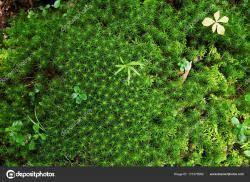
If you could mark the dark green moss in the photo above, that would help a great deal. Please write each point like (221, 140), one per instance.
(155, 120)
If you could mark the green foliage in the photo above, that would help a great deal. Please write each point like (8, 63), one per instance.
(241, 130)
(14, 134)
(155, 121)
(57, 4)
(24, 142)
(129, 67)
(247, 97)
(184, 65)
(247, 153)
(79, 95)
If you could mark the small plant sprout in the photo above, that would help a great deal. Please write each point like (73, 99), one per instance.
(14, 132)
(129, 68)
(185, 67)
(241, 129)
(38, 124)
(79, 95)
(27, 141)
(57, 4)
(216, 23)
(235, 121)
(30, 14)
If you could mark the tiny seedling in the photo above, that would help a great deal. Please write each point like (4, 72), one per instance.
(79, 95)
(31, 14)
(19, 138)
(15, 135)
(129, 68)
(241, 129)
(185, 68)
(242, 132)
(184, 65)
(44, 10)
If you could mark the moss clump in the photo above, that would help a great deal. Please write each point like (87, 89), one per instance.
(156, 120)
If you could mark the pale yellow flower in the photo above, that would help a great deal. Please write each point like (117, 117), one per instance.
(216, 23)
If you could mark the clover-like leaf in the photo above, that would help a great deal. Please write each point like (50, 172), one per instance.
(83, 96)
(216, 23)
(74, 95)
(79, 95)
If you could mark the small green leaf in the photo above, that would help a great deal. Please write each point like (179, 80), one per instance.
(77, 89)
(247, 153)
(15, 127)
(20, 139)
(43, 136)
(36, 128)
(36, 136)
(74, 95)
(30, 14)
(247, 97)
(242, 138)
(83, 96)
(44, 12)
(235, 121)
(78, 100)
(57, 4)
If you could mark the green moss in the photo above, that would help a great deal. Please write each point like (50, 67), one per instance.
(155, 120)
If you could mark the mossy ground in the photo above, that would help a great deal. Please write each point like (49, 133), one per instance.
(156, 120)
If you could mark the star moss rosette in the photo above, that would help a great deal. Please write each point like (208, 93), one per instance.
(216, 23)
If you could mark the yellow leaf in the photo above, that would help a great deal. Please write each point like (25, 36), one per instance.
(224, 19)
(220, 29)
(217, 16)
(207, 22)
(214, 27)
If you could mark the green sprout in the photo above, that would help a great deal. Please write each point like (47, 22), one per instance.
(242, 132)
(79, 95)
(27, 141)
(184, 65)
(241, 129)
(129, 68)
